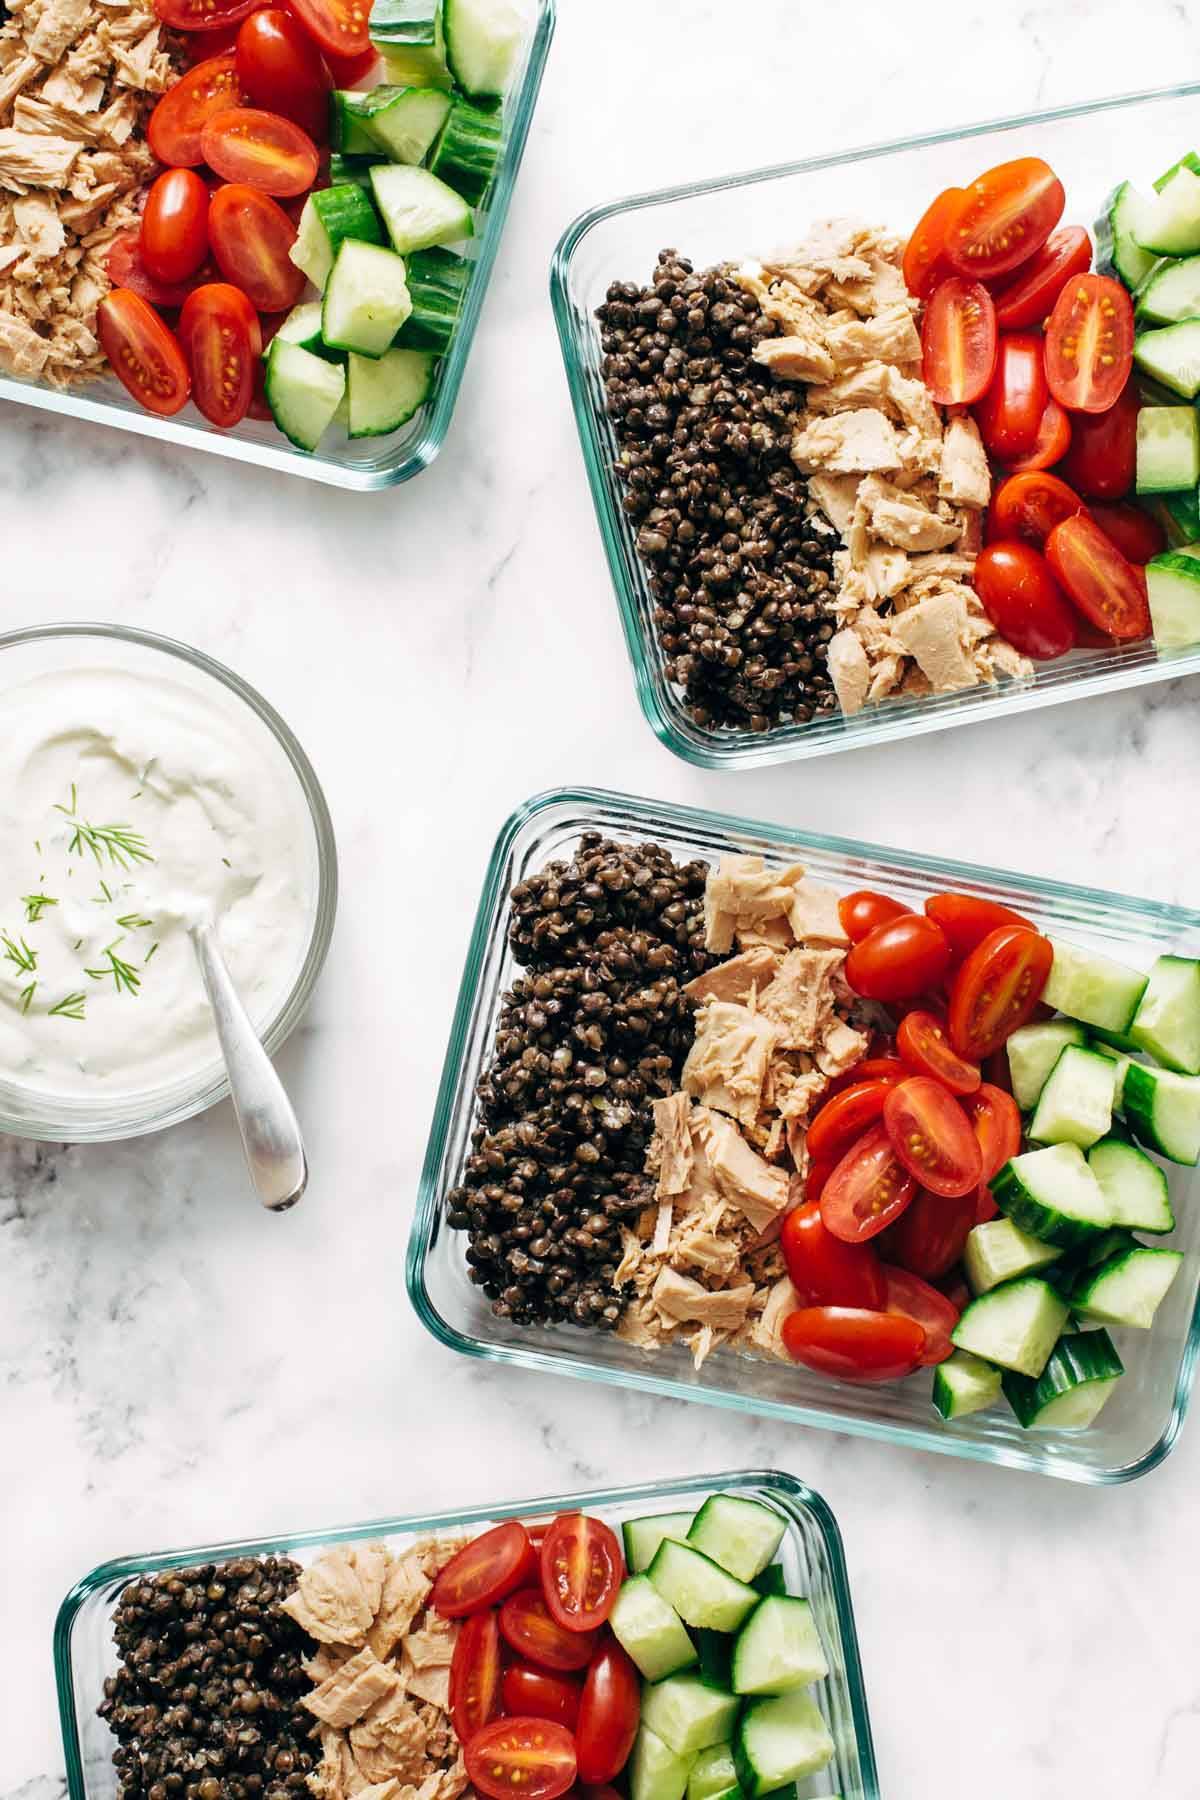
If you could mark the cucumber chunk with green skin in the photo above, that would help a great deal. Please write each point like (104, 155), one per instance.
(1117, 230)
(1168, 449)
(409, 36)
(741, 1535)
(1163, 1108)
(483, 41)
(701, 1591)
(303, 392)
(437, 281)
(1033, 1051)
(772, 1580)
(688, 1714)
(643, 1536)
(1000, 1251)
(1076, 1104)
(331, 216)
(1167, 1022)
(1170, 225)
(654, 1771)
(713, 1775)
(366, 299)
(779, 1741)
(386, 391)
(1189, 160)
(403, 122)
(1179, 516)
(468, 149)
(1092, 988)
(1053, 1195)
(715, 1649)
(1015, 1325)
(352, 171)
(418, 209)
(1120, 1063)
(1170, 292)
(348, 130)
(1127, 1289)
(778, 1648)
(650, 1630)
(1077, 1381)
(1173, 590)
(964, 1384)
(1170, 354)
(303, 326)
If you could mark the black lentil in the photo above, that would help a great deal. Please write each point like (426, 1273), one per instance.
(738, 572)
(204, 1705)
(597, 1029)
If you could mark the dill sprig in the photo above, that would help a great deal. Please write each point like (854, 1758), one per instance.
(71, 1006)
(124, 975)
(104, 897)
(149, 954)
(35, 905)
(133, 922)
(19, 954)
(27, 994)
(120, 843)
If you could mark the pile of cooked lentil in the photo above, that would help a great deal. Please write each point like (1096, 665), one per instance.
(596, 1031)
(739, 572)
(205, 1703)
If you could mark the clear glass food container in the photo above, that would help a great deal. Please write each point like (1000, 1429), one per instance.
(1092, 147)
(1140, 1423)
(811, 1555)
(362, 464)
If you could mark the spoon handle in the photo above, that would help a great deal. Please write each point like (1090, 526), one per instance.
(270, 1134)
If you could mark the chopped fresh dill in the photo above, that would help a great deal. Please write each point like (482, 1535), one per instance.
(120, 843)
(133, 922)
(78, 944)
(71, 1006)
(227, 862)
(138, 795)
(150, 953)
(27, 994)
(35, 905)
(124, 975)
(18, 954)
(104, 897)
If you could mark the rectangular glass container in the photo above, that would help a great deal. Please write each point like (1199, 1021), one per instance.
(1140, 1423)
(811, 1555)
(1091, 147)
(362, 464)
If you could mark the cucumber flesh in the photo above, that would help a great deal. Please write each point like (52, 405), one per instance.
(1127, 1289)
(655, 1772)
(1167, 1022)
(330, 216)
(1173, 589)
(713, 1775)
(1170, 292)
(303, 326)
(650, 1630)
(741, 1535)
(1163, 1108)
(687, 1714)
(386, 391)
(1120, 1064)
(780, 1741)
(404, 122)
(483, 40)
(1170, 225)
(1076, 1104)
(366, 300)
(1015, 1325)
(1170, 354)
(1053, 1195)
(1033, 1051)
(778, 1648)
(418, 209)
(1077, 1381)
(1189, 160)
(1092, 988)
(1117, 233)
(1168, 449)
(702, 1593)
(303, 392)
(643, 1536)
(964, 1384)
(1000, 1251)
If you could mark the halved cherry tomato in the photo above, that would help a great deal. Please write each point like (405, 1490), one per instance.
(932, 1137)
(175, 225)
(351, 71)
(1024, 601)
(251, 237)
(144, 353)
(997, 1124)
(1028, 299)
(533, 1758)
(958, 341)
(845, 1118)
(924, 259)
(851, 1344)
(1004, 218)
(899, 959)
(997, 989)
(339, 26)
(861, 911)
(608, 1715)
(929, 1236)
(1089, 343)
(1098, 580)
(818, 1174)
(203, 15)
(527, 1626)
(955, 1289)
(911, 1298)
(1009, 413)
(1137, 536)
(475, 1676)
(125, 268)
(262, 149)
(1102, 460)
(1030, 506)
(1051, 444)
(198, 46)
(867, 1190)
(484, 1571)
(221, 339)
(582, 1570)
(966, 919)
(824, 1270)
(926, 1049)
(175, 124)
(536, 1695)
(282, 70)
(996, 1071)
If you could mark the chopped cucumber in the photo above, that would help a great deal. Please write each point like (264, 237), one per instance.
(1033, 1051)
(713, 1775)
(418, 209)
(1173, 589)
(1179, 516)
(1118, 232)
(964, 1384)
(1164, 1110)
(1128, 1288)
(303, 326)
(1168, 449)
(741, 1535)
(771, 1581)
(348, 129)
(483, 38)
(408, 33)
(655, 1772)
(1120, 1063)
(1171, 355)
(1170, 292)
(701, 1591)
(1053, 1195)
(687, 1714)
(356, 169)
(1167, 1022)
(303, 392)
(1000, 1251)
(1170, 225)
(366, 300)
(643, 1536)
(1015, 1325)
(1076, 1104)
(1189, 160)
(715, 1649)
(437, 281)
(778, 1648)
(779, 1741)
(386, 391)
(650, 1630)
(331, 216)
(1076, 1382)
(1092, 988)
(468, 149)
(402, 122)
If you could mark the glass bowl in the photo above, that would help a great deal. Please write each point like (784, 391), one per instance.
(362, 464)
(1141, 1422)
(1091, 147)
(811, 1554)
(23, 654)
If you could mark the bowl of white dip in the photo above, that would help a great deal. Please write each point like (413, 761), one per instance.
(144, 786)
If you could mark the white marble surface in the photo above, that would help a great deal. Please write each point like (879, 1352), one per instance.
(177, 1367)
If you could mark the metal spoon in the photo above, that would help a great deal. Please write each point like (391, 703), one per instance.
(270, 1134)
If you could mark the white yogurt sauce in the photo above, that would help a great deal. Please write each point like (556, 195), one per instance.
(129, 807)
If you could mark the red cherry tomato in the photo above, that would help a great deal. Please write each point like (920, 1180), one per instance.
(929, 1236)
(1024, 601)
(867, 1190)
(475, 1676)
(531, 1757)
(352, 71)
(175, 124)
(1004, 218)
(997, 989)
(911, 1298)
(582, 1571)
(1009, 413)
(125, 268)
(1102, 460)
(527, 1627)
(251, 237)
(608, 1715)
(931, 1136)
(996, 1122)
(924, 255)
(898, 960)
(198, 46)
(926, 1049)
(144, 354)
(958, 341)
(824, 1270)
(484, 1571)
(263, 150)
(203, 15)
(175, 226)
(845, 1118)
(1089, 344)
(818, 1174)
(533, 1694)
(966, 919)
(1051, 444)
(339, 26)
(1108, 591)
(1030, 506)
(1137, 536)
(863, 910)
(1028, 299)
(282, 70)
(854, 1345)
(221, 340)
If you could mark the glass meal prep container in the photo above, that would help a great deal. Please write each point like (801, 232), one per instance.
(362, 464)
(811, 1555)
(1140, 1423)
(1091, 148)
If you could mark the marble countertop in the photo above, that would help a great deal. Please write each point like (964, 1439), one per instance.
(176, 1366)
